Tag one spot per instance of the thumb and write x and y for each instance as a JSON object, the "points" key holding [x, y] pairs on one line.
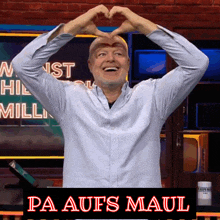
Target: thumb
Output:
{"points": [[125, 27], [101, 34], [116, 32]]}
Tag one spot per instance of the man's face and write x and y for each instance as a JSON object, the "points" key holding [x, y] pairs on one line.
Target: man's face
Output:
{"points": [[109, 62]]}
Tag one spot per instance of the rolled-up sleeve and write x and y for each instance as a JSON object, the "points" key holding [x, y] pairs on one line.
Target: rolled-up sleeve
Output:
{"points": [[28, 65], [176, 85]]}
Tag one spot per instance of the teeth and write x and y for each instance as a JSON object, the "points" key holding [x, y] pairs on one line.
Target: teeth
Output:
{"points": [[110, 68]]}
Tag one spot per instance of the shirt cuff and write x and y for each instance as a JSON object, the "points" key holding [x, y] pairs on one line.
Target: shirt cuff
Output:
{"points": [[60, 36], [159, 30]]}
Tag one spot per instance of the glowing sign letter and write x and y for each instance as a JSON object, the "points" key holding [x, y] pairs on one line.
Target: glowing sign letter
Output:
{"points": [[31, 203]]}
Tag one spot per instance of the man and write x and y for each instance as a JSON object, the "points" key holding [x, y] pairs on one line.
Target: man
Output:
{"points": [[111, 132]]}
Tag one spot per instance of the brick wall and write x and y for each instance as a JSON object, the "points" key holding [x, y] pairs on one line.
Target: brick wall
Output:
{"points": [[170, 13]]}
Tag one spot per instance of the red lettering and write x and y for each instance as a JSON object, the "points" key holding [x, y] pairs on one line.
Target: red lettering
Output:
{"points": [[4, 68], [88, 84], [34, 111], [133, 205], [156, 205], [47, 67], [71, 205], [79, 82], [165, 203], [9, 112], [58, 72], [31, 203], [9, 87], [113, 204], [24, 111], [24, 90], [82, 203], [50, 205], [98, 203], [68, 68], [180, 207]]}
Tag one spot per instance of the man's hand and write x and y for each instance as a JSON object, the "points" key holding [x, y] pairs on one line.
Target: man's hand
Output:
{"points": [[84, 23], [134, 22], [125, 27], [86, 19], [91, 28]]}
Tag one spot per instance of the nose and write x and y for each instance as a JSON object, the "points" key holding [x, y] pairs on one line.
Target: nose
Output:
{"points": [[110, 57]]}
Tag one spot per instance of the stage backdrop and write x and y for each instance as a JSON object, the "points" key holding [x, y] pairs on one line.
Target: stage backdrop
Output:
{"points": [[26, 129]]}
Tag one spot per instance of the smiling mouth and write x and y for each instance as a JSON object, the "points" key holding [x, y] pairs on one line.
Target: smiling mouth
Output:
{"points": [[110, 69]]}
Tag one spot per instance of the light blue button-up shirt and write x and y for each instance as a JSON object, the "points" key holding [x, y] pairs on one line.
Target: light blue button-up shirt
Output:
{"points": [[118, 146]]}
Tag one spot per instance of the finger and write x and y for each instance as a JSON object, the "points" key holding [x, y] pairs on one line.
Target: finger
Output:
{"points": [[116, 32], [105, 11], [101, 34], [102, 9], [118, 9], [113, 11]]}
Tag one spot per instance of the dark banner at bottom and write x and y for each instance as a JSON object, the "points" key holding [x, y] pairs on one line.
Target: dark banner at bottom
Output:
{"points": [[109, 203]]}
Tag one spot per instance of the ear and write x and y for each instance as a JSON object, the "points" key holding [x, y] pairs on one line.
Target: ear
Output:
{"points": [[129, 61], [128, 64], [89, 65]]}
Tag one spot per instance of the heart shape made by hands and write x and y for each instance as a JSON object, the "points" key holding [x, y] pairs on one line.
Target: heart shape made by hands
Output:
{"points": [[126, 26]]}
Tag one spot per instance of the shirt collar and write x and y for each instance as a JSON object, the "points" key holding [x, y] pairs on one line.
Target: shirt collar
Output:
{"points": [[98, 91], [122, 99]]}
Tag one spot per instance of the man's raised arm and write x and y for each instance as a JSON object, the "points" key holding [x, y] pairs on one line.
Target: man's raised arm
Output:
{"points": [[83, 23], [28, 63], [174, 87]]}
